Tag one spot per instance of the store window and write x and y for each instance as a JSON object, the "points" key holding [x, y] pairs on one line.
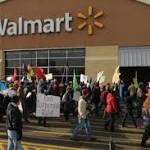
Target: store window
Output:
{"points": [[60, 62], [32, 62]]}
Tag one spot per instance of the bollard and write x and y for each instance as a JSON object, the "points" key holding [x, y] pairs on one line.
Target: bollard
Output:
{"points": [[111, 144]]}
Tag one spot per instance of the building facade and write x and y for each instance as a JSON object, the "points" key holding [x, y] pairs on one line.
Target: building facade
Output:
{"points": [[89, 36]]}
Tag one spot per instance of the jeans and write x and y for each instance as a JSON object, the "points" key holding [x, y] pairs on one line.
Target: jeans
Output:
{"points": [[83, 123], [13, 143], [110, 121], [127, 114]]}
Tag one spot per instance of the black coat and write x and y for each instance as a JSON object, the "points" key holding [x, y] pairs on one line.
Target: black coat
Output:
{"points": [[14, 119], [68, 101], [95, 94]]}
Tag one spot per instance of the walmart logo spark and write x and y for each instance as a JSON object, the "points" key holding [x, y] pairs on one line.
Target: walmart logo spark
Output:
{"points": [[91, 20]]}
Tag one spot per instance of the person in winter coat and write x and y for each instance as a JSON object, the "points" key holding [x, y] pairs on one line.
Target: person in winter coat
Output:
{"points": [[129, 101], [83, 117], [67, 102], [96, 97], [146, 119], [141, 96], [27, 106], [111, 110], [22, 98], [14, 125], [103, 97], [42, 88], [54, 89]]}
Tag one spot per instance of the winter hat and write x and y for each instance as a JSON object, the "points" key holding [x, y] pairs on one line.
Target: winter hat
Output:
{"points": [[85, 92]]}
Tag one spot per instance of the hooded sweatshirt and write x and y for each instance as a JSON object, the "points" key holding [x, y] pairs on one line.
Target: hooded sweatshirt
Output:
{"points": [[82, 108]]}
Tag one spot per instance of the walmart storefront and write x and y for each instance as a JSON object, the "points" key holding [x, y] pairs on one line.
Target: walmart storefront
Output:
{"points": [[86, 36], [56, 61]]}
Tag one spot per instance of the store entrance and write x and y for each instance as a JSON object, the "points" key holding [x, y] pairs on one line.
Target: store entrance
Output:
{"points": [[128, 73]]}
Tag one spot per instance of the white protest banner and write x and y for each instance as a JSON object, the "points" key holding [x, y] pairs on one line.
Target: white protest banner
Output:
{"points": [[102, 79], [83, 78], [49, 76], [99, 75], [116, 76], [47, 106]]}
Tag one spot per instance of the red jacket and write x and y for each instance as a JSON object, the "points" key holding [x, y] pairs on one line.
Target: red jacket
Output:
{"points": [[111, 104]]}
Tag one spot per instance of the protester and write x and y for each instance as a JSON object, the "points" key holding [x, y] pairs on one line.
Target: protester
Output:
{"points": [[67, 102], [33, 92], [96, 97], [121, 91], [129, 112], [104, 92], [14, 125], [28, 102], [21, 95], [140, 100], [146, 119], [42, 88], [83, 117], [111, 110], [130, 105], [54, 90]]}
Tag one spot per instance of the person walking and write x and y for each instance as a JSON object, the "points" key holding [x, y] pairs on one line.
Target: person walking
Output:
{"points": [[129, 102], [103, 97], [42, 88], [96, 97], [146, 120], [14, 125], [111, 110], [83, 119], [141, 96], [121, 91]]}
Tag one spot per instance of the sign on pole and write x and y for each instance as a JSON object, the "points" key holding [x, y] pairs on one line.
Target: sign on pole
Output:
{"points": [[83, 78], [47, 106], [49, 76], [99, 75], [116, 76]]}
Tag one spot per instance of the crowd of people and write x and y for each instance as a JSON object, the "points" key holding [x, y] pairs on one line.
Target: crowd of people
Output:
{"points": [[109, 101]]}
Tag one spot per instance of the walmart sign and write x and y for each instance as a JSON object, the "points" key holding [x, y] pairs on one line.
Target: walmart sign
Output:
{"points": [[38, 26]]}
